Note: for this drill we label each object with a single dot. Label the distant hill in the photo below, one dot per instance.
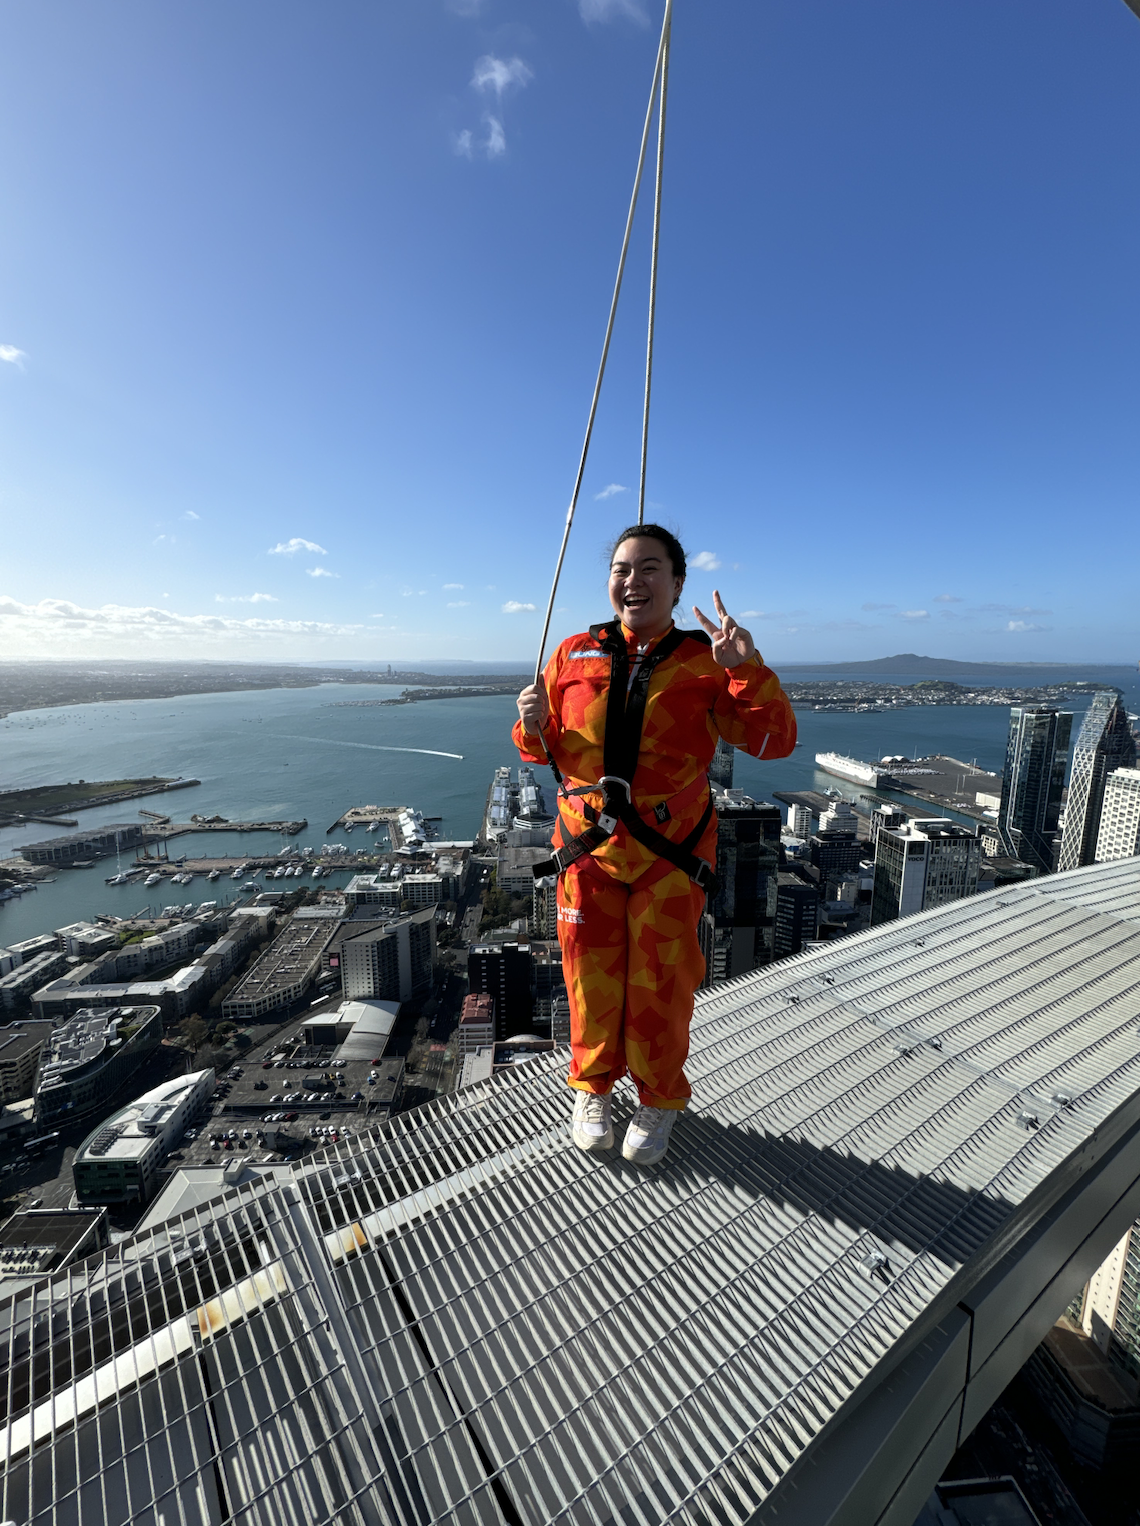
(910, 664)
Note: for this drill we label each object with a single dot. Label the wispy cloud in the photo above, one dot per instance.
(705, 561)
(1023, 627)
(495, 143)
(190, 514)
(291, 547)
(1011, 609)
(59, 628)
(513, 607)
(243, 598)
(464, 143)
(914, 614)
(459, 604)
(498, 74)
(451, 587)
(947, 598)
(612, 10)
(609, 492)
(13, 356)
(871, 608)
(321, 572)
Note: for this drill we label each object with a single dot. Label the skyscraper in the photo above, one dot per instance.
(1119, 835)
(1105, 743)
(747, 863)
(1033, 783)
(720, 769)
(922, 865)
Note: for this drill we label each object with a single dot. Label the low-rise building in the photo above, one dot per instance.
(20, 984)
(93, 842)
(86, 939)
(284, 972)
(21, 1045)
(514, 871)
(119, 1162)
(89, 1057)
(476, 1023)
(39, 1241)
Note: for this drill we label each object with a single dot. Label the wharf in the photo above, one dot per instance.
(364, 815)
(160, 832)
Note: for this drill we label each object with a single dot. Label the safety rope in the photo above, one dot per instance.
(665, 39)
(659, 71)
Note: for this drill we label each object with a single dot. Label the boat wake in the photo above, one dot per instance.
(374, 747)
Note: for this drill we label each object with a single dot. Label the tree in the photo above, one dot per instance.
(192, 1033)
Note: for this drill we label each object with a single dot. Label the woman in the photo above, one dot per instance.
(635, 852)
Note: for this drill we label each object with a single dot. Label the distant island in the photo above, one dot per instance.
(911, 665)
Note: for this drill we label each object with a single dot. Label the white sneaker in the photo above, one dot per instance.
(647, 1137)
(593, 1121)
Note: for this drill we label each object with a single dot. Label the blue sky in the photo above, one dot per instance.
(300, 307)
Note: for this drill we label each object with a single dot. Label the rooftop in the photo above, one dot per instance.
(458, 1318)
(131, 1132)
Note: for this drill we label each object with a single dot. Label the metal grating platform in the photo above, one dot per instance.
(461, 1319)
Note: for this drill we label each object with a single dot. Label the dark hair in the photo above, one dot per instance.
(672, 545)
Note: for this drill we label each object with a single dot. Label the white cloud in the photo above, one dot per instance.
(513, 607)
(291, 547)
(241, 598)
(13, 356)
(463, 143)
(1023, 627)
(321, 572)
(497, 74)
(914, 614)
(609, 492)
(610, 10)
(947, 598)
(190, 514)
(459, 604)
(58, 628)
(705, 561)
(495, 143)
(1011, 609)
(169, 539)
(451, 586)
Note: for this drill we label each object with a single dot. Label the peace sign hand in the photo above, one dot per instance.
(731, 643)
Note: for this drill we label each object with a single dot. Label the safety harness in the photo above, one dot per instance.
(625, 716)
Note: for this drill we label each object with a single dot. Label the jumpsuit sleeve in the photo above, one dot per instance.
(529, 743)
(753, 712)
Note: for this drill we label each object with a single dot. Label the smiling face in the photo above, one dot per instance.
(643, 588)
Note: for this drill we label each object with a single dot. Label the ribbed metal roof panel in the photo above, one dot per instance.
(480, 1323)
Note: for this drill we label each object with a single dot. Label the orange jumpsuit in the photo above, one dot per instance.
(628, 919)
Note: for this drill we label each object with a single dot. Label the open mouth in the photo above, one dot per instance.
(634, 601)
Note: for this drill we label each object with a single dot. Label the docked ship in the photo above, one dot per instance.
(852, 770)
(89, 1057)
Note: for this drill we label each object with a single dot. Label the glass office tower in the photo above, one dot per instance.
(1036, 756)
(1104, 744)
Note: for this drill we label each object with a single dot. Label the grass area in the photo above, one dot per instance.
(46, 798)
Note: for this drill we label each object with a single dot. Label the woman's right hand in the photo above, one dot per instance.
(534, 709)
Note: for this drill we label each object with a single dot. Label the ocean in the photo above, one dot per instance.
(288, 753)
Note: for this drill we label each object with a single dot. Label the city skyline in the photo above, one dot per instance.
(301, 324)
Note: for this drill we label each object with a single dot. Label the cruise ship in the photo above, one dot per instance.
(89, 1057)
(852, 770)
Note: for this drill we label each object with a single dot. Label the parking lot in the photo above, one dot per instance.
(286, 1098)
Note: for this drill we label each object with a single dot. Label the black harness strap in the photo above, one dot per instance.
(625, 717)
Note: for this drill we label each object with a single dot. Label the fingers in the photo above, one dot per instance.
(709, 628)
(718, 602)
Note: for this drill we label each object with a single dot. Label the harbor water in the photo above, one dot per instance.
(290, 753)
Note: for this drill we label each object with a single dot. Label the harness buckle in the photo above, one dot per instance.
(608, 779)
(705, 877)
